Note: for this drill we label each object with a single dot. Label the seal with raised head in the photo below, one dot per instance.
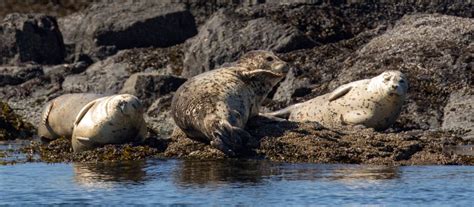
(374, 103)
(214, 106)
(115, 119)
(57, 119)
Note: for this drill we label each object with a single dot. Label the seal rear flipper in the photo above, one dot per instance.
(229, 139)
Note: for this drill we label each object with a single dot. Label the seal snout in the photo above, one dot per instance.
(281, 67)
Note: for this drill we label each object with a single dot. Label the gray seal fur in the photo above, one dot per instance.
(374, 103)
(215, 106)
(115, 119)
(57, 119)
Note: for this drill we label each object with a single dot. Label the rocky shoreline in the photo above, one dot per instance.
(149, 49)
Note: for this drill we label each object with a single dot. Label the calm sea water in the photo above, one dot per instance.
(251, 183)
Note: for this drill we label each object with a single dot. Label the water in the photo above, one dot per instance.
(252, 183)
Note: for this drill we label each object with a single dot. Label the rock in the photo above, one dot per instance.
(27, 99)
(158, 116)
(12, 126)
(459, 113)
(14, 75)
(104, 77)
(30, 38)
(150, 86)
(69, 26)
(224, 37)
(108, 27)
(108, 76)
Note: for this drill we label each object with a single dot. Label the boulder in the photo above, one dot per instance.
(224, 37)
(30, 38)
(158, 116)
(13, 126)
(150, 86)
(459, 112)
(106, 27)
(108, 76)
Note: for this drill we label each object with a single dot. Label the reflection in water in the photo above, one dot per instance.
(106, 174)
(365, 173)
(364, 176)
(203, 173)
(223, 171)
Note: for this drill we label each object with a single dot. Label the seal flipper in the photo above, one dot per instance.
(340, 92)
(283, 113)
(83, 112)
(44, 119)
(229, 139)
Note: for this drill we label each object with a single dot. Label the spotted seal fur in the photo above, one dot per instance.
(374, 103)
(215, 106)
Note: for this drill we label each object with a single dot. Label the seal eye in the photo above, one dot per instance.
(386, 78)
(269, 59)
(401, 81)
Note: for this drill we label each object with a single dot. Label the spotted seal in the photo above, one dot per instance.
(214, 106)
(112, 119)
(57, 119)
(374, 103)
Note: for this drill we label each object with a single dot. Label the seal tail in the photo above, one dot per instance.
(229, 139)
(283, 113)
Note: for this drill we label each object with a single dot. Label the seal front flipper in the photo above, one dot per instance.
(45, 131)
(80, 144)
(44, 119)
(340, 92)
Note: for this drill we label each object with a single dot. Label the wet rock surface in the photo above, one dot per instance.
(326, 44)
(12, 126)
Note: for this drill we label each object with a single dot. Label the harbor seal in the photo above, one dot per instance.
(112, 119)
(57, 119)
(374, 103)
(214, 106)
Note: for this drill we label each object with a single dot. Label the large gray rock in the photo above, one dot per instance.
(150, 86)
(107, 27)
(108, 76)
(158, 116)
(459, 112)
(225, 37)
(30, 38)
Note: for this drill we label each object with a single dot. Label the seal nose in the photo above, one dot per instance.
(394, 86)
(282, 68)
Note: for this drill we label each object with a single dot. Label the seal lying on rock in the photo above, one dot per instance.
(113, 119)
(58, 115)
(215, 106)
(374, 103)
